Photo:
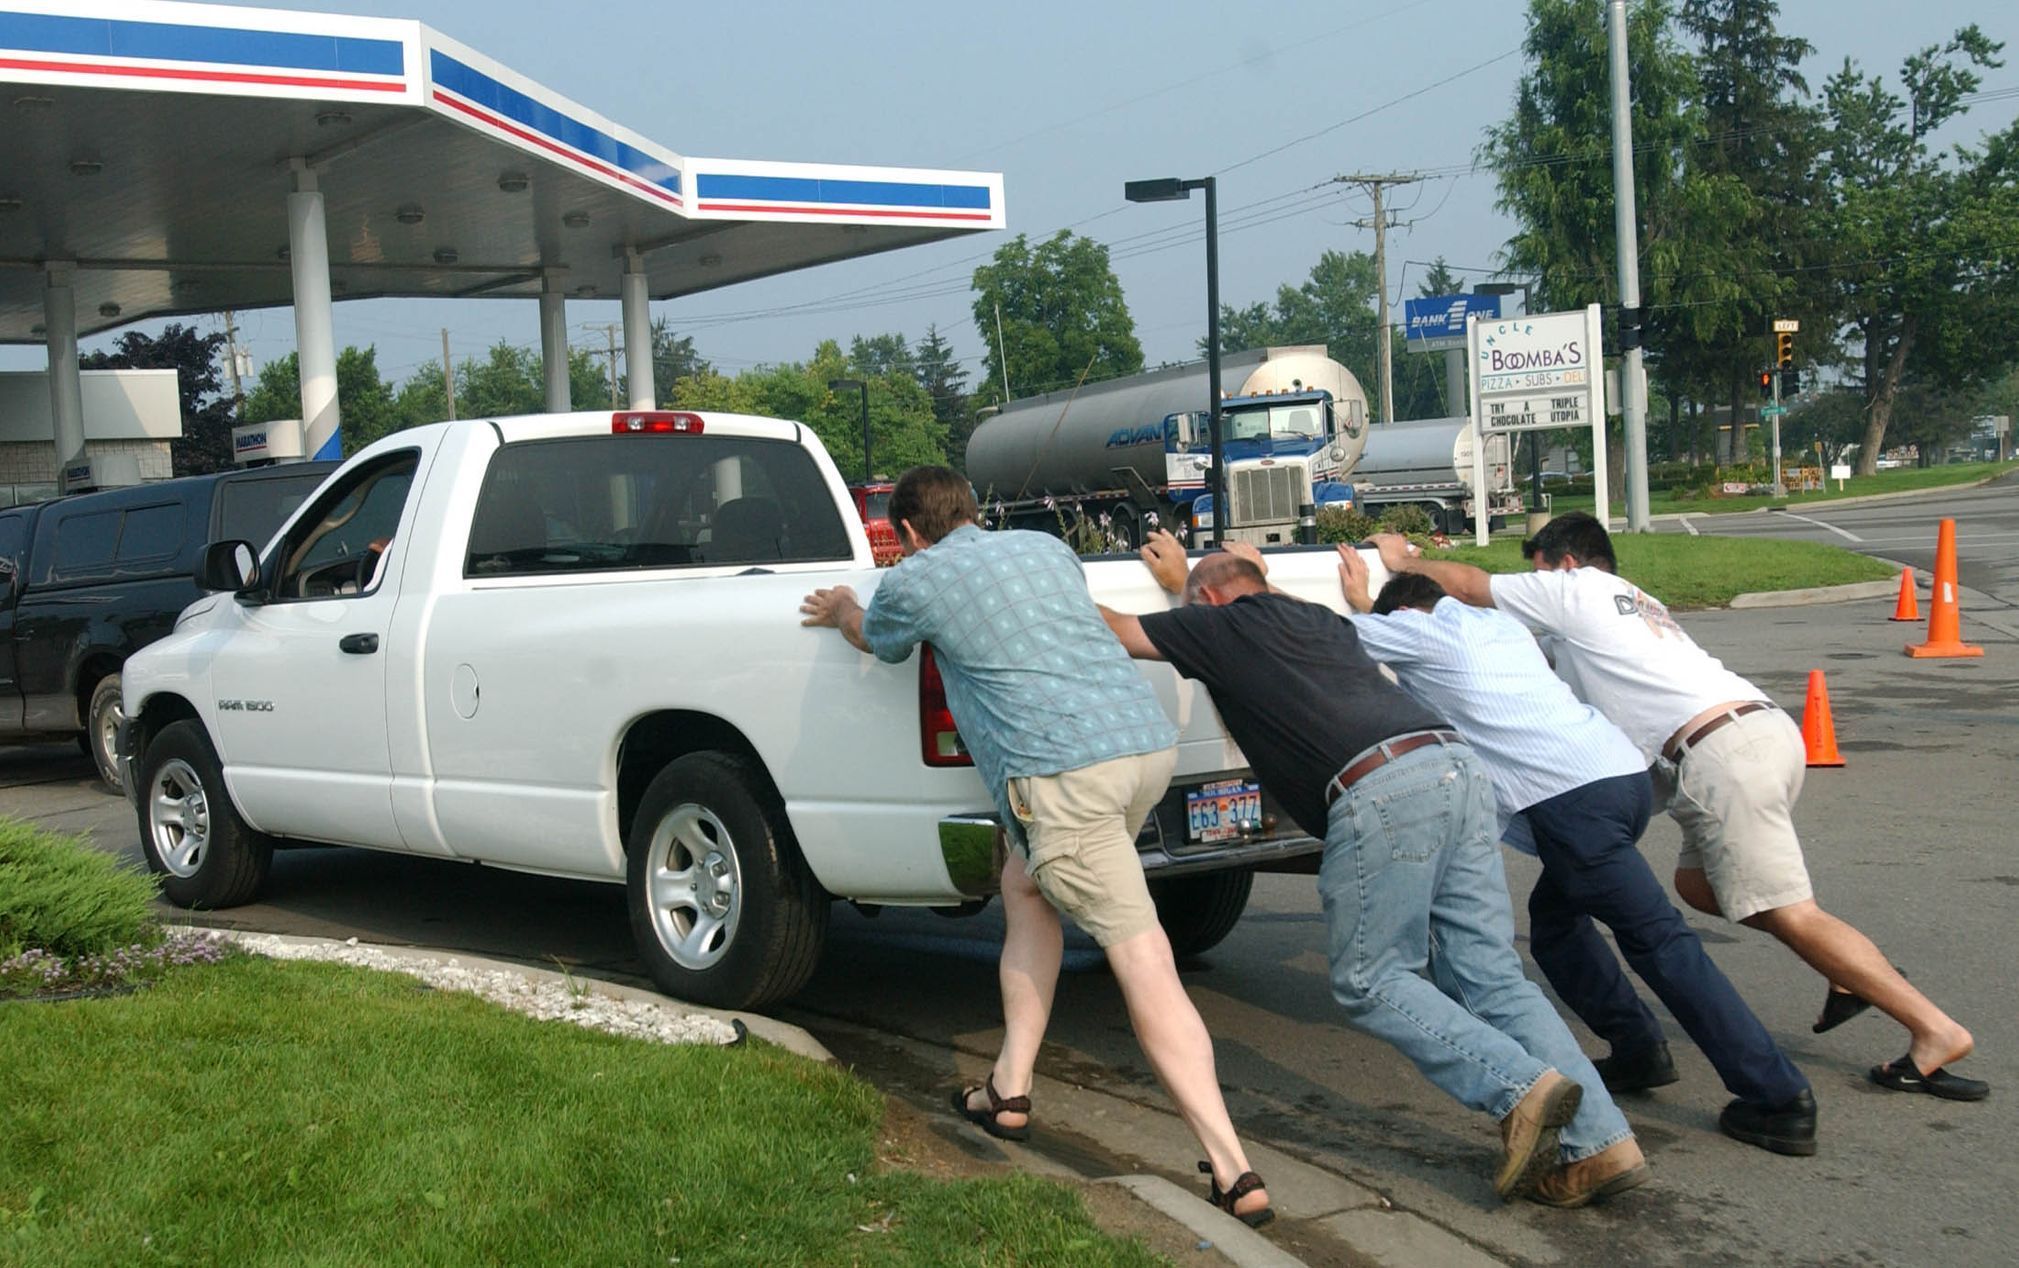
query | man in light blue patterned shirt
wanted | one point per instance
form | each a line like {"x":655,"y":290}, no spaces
{"x":1076,"y":752}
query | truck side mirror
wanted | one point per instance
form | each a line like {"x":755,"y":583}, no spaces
{"x":229,"y":565}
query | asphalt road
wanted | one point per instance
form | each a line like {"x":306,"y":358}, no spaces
{"x":1987,"y":533}
{"x":1911,"y":842}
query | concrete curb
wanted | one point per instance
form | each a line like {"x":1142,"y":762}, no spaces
{"x":784,"y":1034}
{"x":1824,"y":503}
{"x":1239,"y":1243}
{"x":1881,"y":589}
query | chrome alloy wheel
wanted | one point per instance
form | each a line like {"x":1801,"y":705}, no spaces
{"x":695,"y":885}
{"x":106,"y":737}
{"x":178,"y":816}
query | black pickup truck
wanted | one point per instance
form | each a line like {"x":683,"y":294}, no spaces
{"x":86,"y":581}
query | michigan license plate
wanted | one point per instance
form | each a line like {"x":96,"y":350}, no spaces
{"x":1222,"y":811}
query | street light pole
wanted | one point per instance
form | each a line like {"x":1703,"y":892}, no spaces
{"x":836,"y":385}
{"x":1171,"y":189}
{"x":1633,"y":409}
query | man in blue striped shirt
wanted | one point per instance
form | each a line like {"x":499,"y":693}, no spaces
{"x":1583,"y":788}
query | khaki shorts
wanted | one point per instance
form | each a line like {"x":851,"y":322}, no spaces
{"x":1082,"y":827}
{"x":1734,"y":798}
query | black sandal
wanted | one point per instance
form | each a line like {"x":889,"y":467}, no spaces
{"x":1840,"y":1006}
{"x":1904,"y":1076}
{"x":1244,"y":1184}
{"x":997,"y":1105}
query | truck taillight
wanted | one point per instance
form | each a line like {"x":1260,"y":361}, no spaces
{"x":938,"y":737}
{"x":653,"y":422}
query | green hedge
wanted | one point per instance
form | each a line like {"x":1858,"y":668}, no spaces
{"x":60,"y":895}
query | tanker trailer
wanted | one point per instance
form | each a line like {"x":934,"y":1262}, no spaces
{"x":1429,"y":464}
{"x":1109,"y":462}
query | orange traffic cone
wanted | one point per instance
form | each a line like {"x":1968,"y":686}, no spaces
{"x":1819,"y":732}
{"x":1945,"y":621}
{"x":1907,"y":609}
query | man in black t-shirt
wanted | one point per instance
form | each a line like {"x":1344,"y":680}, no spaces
{"x":1411,"y":861}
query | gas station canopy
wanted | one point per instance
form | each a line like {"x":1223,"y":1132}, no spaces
{"x":162,"y":158}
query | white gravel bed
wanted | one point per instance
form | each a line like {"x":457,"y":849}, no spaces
{"x":548,"y":1001}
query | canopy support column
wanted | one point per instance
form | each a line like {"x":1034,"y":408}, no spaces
{"x":66,"y":389}
{"x":554,"y":344}
{"x":638,"y":367}
{"x":314,"y":323}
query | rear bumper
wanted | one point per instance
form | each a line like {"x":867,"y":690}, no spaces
{"x":973,"y":846}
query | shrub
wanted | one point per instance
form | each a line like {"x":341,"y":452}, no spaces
{"x":61,"y":896}
{"x":1408,"y":519}
{"x":1344,"y":524}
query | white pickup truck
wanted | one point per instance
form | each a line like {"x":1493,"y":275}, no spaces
{"x":570,"y":644}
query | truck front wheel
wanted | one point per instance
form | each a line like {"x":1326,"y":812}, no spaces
{"x":723,"y":908}
{"x":190,"y":832}
{"x":1198,"y":911}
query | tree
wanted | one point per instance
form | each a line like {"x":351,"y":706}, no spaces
{"x":879,"y":355}
{"x":1063,"y":317}
{"x":1922,"y":248}
{"x":902,"y":426}
{"x":205,"y":444}
{"x":1762,"y":133}
{"x":673,"y":359}
{"x":1440,"y":280}
{"x":366,"y":408}
{"x":944,"y":381}
{"x":1552,"y":159}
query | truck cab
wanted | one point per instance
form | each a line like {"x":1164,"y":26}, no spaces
{"x":1284,"y":450}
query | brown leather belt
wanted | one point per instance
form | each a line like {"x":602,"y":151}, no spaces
{"x":1677,"y":750}
{"x":1382,"y":754}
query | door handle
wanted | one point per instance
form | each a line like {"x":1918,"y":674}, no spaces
{"x":358,"y":644}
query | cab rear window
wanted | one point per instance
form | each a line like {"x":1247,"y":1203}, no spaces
{"x":608,"y":503}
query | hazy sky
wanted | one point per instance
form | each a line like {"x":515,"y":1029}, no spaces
{"x":1068,"y":100}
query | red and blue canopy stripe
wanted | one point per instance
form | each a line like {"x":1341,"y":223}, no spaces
{"x":221,"y":54}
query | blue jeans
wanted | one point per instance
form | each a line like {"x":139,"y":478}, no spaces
{"x":1412,"y":882}
{"x":1592,"y":869}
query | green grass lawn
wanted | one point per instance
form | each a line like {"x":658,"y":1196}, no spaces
{"x":1898,"y":480}
{"x":1705,"y":572}
{"x":255,"y":1112}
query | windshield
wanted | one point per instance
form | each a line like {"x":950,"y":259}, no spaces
{"x":876,"y":506}
{"x":1304,"y":420}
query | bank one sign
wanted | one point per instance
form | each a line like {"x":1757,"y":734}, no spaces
{"x":1439,"y":321}
{"x":1538,"y":373}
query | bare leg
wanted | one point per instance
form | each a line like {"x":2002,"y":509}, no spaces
{"x":1032,"y":947}
{"x":1849,"y":960}
{"x":1174,"y":1038}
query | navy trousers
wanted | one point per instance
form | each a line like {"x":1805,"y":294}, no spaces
{"x":1592,"y":870}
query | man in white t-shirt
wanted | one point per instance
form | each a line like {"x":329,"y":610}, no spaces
{"x":1729,"y":766}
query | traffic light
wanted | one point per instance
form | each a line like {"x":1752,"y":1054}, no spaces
{"x":1784,"y":348}
{"x":1767,"y":384}
{"x":1791,"y":382}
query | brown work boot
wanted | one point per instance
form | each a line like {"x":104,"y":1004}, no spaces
{"x":1529,"y":1132}
{"x":1612,"y":1170}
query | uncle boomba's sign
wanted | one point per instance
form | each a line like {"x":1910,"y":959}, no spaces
{"x":1537,"y":373}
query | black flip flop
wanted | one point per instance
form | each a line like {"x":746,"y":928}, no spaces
{"x":986,"y":1119}
{"x":1838,"y":1008}
{"x":1903,"y":1076}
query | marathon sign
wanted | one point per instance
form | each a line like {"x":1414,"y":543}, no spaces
{"x":1439,"y":322}
{"x":277,"y":441}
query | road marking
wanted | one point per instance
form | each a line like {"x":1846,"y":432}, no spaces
{"x":1690,"y":528}
{"x":1846,"y":534}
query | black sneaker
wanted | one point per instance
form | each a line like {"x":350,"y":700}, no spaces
{"x":1638,"y":1071}
{"x":1787,"y":1128}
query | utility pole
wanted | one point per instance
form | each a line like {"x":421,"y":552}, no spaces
{"x":448,"y":375}
{"x":234,"y":360}
{"x":1633,"y":408}
{"x":1384,"y":350}
{"x":610,"y":329}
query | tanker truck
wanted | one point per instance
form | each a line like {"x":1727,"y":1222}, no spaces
{"x":1429,"y":464}
{"x":1107,"y":463}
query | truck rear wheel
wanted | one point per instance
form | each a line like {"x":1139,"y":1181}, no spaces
{"x":1197,"y":912}
{"x":723,"y":908}
{"x":190,"y":832}
{"x":101,"y":730}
